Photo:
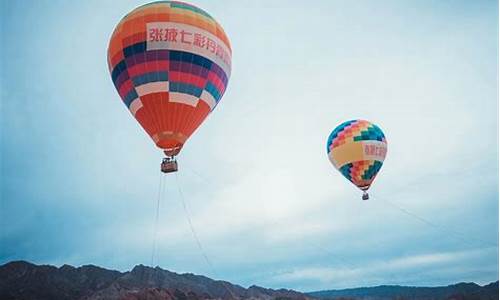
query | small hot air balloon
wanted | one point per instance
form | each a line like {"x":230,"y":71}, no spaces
{"x":170,"y":62}
{"x":357,"y":149}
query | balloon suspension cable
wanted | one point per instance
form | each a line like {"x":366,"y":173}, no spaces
{"x":447,"y":231}
{"x":161,"y":191}
{"x":339,"y":259}
{"x":197,"y":239}
{"x":347,"y":262}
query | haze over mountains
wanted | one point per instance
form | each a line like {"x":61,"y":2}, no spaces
{"x":23,"y":280}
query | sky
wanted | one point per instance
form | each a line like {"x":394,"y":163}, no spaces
{"x":80,"y":178}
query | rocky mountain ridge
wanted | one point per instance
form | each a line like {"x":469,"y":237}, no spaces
{"x":23,"y":280}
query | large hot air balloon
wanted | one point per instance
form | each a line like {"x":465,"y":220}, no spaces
{"x":357,"y":149}
{"x":170,"y":62}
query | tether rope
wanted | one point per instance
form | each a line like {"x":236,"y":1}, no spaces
{"x":197,"y":239}
{"x":441,"y":228}
{"x":157,"y":218}
{"x":343,"y":261}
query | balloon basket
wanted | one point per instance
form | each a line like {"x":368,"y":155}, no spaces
{"x":365,"y":196}
{"x":169,"y":165}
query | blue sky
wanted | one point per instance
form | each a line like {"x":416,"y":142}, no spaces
{"x":79,"y":177}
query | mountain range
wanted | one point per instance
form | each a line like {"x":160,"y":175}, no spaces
{"x":456,"y":291}
{"x":24,"y":280}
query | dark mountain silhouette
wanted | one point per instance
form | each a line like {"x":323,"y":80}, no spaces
{"x":460,"y":291}
{"x":23,"y":280}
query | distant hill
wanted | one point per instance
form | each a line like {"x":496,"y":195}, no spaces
{"x":460,"y":291}
{"x":23,"y":280}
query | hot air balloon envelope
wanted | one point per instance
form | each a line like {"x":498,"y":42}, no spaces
{"x":170,"y":62}
{"x":357,"y":148}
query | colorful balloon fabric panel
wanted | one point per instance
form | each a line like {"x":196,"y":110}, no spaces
{"x":170,"y":62}
{"x":357,"y":148}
